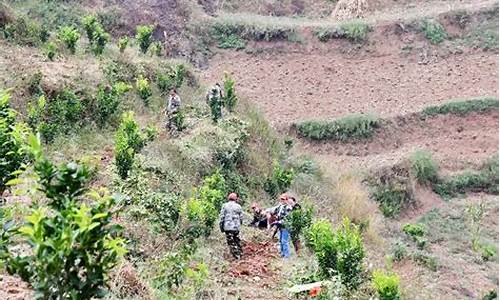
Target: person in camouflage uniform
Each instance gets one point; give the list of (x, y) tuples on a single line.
[(173, 108), (215, 101), (230, 224)]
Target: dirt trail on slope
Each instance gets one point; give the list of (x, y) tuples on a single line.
[(293, 87), (457, 142)]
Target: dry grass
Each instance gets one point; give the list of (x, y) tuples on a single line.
[(126, 283), (350, 9)]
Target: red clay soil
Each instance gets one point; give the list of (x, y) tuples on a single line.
[(290, 87), (457, 142), (13, 288), (256, 259)]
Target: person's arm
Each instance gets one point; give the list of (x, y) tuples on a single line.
[(222, 216), (169, 104)]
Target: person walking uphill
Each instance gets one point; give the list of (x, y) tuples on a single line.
[(230, 224), (172, 110)]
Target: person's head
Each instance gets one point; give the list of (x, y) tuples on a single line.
[(255, 207), (173, 92), (217, 84), (283, 198), (292, 200), (232, 197)]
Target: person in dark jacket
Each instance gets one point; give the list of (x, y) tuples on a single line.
[(259, 217), (230, 224)]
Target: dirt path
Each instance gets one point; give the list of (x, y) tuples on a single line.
[(456, 142)]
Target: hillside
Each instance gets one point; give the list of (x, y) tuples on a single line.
[(381, 116)]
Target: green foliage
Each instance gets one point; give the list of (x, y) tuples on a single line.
[(426, 260), (486, 180), (99, 40), (338, 252), (491, 295), (433, 31), (416, 232), (299, 220), (231, 41), (67, 238), (34, 83), (144, 35), (63, 113), (423, 166), (393, 191), (355, 30), (387, 285), (143, 89), (108, 100), (50, 50), (346, 128), (463, 107), (24, 31), (90, 24), (280, 180), (233, 33), (156, 48), (123, 43), (216, 103), (230, 98), (128, 142), (12, 136), (172, 78), (174, 267), (399, 251), (69, 36), (163, 210)]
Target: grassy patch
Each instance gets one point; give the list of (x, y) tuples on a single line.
[(463, 107), (424, 168), (485, 180), (355, 31), (433, 31), (347, 128)]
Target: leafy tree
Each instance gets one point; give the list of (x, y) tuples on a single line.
[(387, 285), (69, 36), (230, 98), (298, 220), (90, 24), (73, 242), (123, 43), (108, 100), (12, 134), (144, 89), (128, 142), (156, 48), (50, 50), (144, 34), (100, 39), (280, 180)]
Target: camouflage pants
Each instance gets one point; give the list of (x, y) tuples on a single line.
[(170, 122), (234, 243)]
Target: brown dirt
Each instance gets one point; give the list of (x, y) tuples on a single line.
[(293, 87), (456, 142), (13, 288)]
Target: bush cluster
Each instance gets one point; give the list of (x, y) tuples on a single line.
[(144, 36), (143, 89), (67, 239), (424, 168), (173, 77), (347, 128), (416, 232), (355, 31), (433, 31), (230, 98), (279, 181), (96, 34), (463, 107), (386, 285), (339, 252), (23, 31), (108, 101), (69, 36), (128, 141), (233, 33)]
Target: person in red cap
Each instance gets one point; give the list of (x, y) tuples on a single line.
[(259, 217), (230, 224)]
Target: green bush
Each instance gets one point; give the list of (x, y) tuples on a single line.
[(164, 210), (67, 239), (423, 166), (486, 180), (433, 31), (386, 285), (123, 43), (463, 107), (355, 30), (392, 190), (108, 100), (99, 40), (299, 220), (426, 260), (338, 252), (144, 35), (12, 135), (23, 31), (50, 50), (143, 89), (156, 48), (416, 232), (90, 24), (172, 78), (128, 142), (346, 128), (231, 41), (279, 181), (230, 98), (233, 32), (69, 36)]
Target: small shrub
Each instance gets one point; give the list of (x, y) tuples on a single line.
[(23, 31), (100, 39), (299, 220), (426, 260), (355, 31), (144, 34), (34, 84), (416, 232), (50, 50), (424, 167), (108, 100), (392, 190), (156, 48), (463, 107), (338, 252), (399, 251), (433, 31), (230, 98), (90, 24), (172, 78), (67, 239), (280, 180), (123, 43), (231, 41), (69, 36), (128, 142), (143, 89), (350, 127), (386, 285), (164, 210)]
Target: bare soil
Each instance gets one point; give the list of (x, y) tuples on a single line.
[(13, 288)]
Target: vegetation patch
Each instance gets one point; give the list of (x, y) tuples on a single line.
[(353, 127), (433, 31), (423, 166), (463, 107), (355, 31)]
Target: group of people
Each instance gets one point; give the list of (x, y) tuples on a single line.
[(271, 219), (214, 99)]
